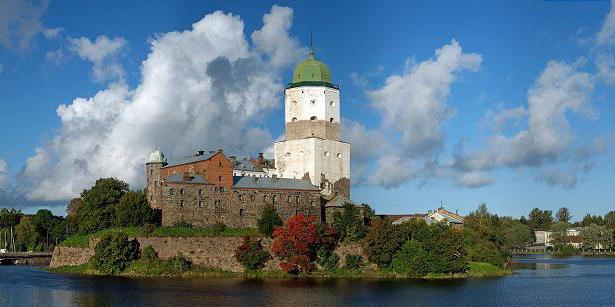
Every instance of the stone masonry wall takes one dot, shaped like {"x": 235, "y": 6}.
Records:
{"x": 211, "y": 252}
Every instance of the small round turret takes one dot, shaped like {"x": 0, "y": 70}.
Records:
{"x": 156, "y": 157}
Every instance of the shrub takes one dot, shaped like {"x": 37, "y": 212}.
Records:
{"x": 114, "y": 252}
{"x": 485, "y": 251}
{"x": 297, "y": 243}
{"x": 268, "y": 221}
{"x": 327, "y": 259}
{"x": 353, "y": 262}
{"x": 133, "y": 210}
{"x": 411, "y": 260}
{"x": 218, "y": 228}
{"x": 149, "y": 253}
{"x": 251, "y": 254}
{"x": 178, "y": 264}
{"x": 149, "y": 228}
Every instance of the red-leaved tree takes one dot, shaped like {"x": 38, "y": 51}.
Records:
{"x": 296, "y": 243}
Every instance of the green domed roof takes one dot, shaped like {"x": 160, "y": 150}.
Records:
{"x": 312, "y": 70}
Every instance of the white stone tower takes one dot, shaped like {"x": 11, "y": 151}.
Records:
{"x": 312, "y": 147}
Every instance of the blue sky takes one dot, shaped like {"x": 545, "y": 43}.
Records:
{"x": 503, "y": 49}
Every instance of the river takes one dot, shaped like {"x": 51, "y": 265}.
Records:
{"x": 538, "y": 281}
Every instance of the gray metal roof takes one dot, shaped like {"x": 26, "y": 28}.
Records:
{"x": 179, "y": 178}
{"x": 339, "y": 201}
{"x": 247, "y": 166}
{"x": 270, "y": 183}
{"x": 195, "y": 158}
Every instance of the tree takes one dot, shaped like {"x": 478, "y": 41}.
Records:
{"x": 296, "y": 244}
{"x": 596, "y": 236}
{"x": 114, "y": 252}
{"x": 382, "y": 242}
{"x": 98, "y": 211}
{"x": 74, "y": 206}
{"x": 540, "y": 220}
{"x": 349, "y": 225}
{"x": 133, "y": 210}
{"x": 44, "y": 221}
{"x": 515, "y": 233}
{"x": 269, "y": 220}
{"x": 609, "y": 219}
{"x": 592, "y": 219}
{"x": 251, "y": 254}
{"x": 563, "y": 215}
{"x": 412, "y": 260}
{"x": 26, "y": 236}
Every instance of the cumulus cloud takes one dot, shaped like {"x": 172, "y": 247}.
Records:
{"x": 274, "y": 40}
{"x": 102, "y": 53}
{"x": 367, "y": 146}
{"x": 414, "y": 104}
{"x": 202, "y": 88}
{"x": 560, "y": 90}
{"x": 473, "y": 180}
{"x": 20, "y": 21}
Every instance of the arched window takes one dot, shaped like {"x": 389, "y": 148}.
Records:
{"x": 313, "y": 101}
{"x": 331, "y": 103}
{"x": 294, "y": 119}
{"x": 327, "y": 154}
{"x": 313, "y": 118}
{"x": 241, "y": 212}
{"x": 339, "y": 155}
{"x": 331, "y": 119}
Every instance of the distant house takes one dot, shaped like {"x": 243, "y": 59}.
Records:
{"x": 440, "y": 215}
{"x": 545, "y": 237}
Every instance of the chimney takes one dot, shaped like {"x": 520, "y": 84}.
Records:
{"x": 220, "y": 150}
{"x": 261, "y": 159}
{"x": 200, "y": 153}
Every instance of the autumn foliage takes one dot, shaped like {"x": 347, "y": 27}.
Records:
{"x": 296, "y": 243}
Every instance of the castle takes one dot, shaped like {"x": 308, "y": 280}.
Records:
{"x": 310, "y": 173}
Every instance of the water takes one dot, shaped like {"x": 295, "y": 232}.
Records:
{"x": 539, "y": 281}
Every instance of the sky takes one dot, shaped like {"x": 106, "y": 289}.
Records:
{"x": 450, "y": 103}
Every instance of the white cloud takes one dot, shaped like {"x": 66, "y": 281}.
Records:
{"x": 52, "y": 33}
{"x": 202, "y": 88}
{"x": 102, "y": 53}
{"x": 606, "y": 36}
{"x": 3, "y": 173}
{"x": 473, "y": 180}
{"x": 20, "y": 22}
{"x": 56, "y": 57}
{"x": 500, "y": 119}
{"x": 274, "y": 40}
{"x": 366, "y": 147}
{"x": 560, "y": 89}
{"x": 414, "y": 103}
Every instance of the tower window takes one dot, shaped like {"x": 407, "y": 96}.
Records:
{"x": 339, "y": 155}
{"x": 219, "y": 178}
{"x": 313, "y": 101}
{"x": 217, "y": 205}
{"x": 200, "y": 192}
{"x": 171, "y": 192}
{"x": 294, "y": 119}
{"x": 297, "y": 199}
{"x": 181, "y": 203}
{"x": 331, "y": 119}
{"x": 181, "y": 192}
{"x": 287, "y": 154}
{"x": 327, "y": 154}
{"x": 331, "y": 103}
{"x": 200, "y": 204}
{"x": 294, "y": 102}
{"x": 290, "y": 199}
{"x": 313, "y": 118}
{"x": 274, "y": 198}
{"x": 241, "y": 212}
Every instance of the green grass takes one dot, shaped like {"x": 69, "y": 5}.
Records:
{"x": 83, "y": 240}
{"x": 203, "y": 232}
{"x": 482, "y": 269}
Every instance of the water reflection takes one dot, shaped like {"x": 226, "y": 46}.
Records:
{"x": 586, "y": 281}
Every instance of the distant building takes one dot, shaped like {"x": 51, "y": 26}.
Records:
{"x": 440, "y": 215}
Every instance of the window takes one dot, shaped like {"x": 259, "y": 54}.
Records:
{"x": 274, "y": 198}
{"x": 252, "y": 197}
{"x": 287, "y": 154}
{"x": 200, "y": 192}
{"x": 331, "y": 103}
{"x": 171, "y": 191}
{"x": 215, "y": 189}
{"x": 313, "y": 118}
{"x": 313, "y": 101}
{"x": 181, "y": 192}
{"x": 294, "y": 119}
{"x": 327, "y": 154}
{"x": 331, "y": 119}
{"x": 219, "y": 178}
{"x": 217, "y": 205}
{"x": 289, "y": 199}
{"x": 297, "y": 199}
{"x": 241, "y": 212}
{"x": 339, "y": 155}
{"x": 220, "y": 164}
{"x": 294, "y": 102}
{"x": 181, "y": 203}
{"x": 200, "y": 204}
{"x": 156, "y": 183}
{"x": 240, "y": 196}
{"x": 221, "y": 189}
{"x": 151, "y": 172}
{"x": 266, "y": 198}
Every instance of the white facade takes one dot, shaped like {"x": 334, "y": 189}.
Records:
{"x": 315, "y": 156}
{"x": 312, "y": 103}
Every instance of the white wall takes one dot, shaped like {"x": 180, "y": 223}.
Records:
{"x": 298, "y": 103}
